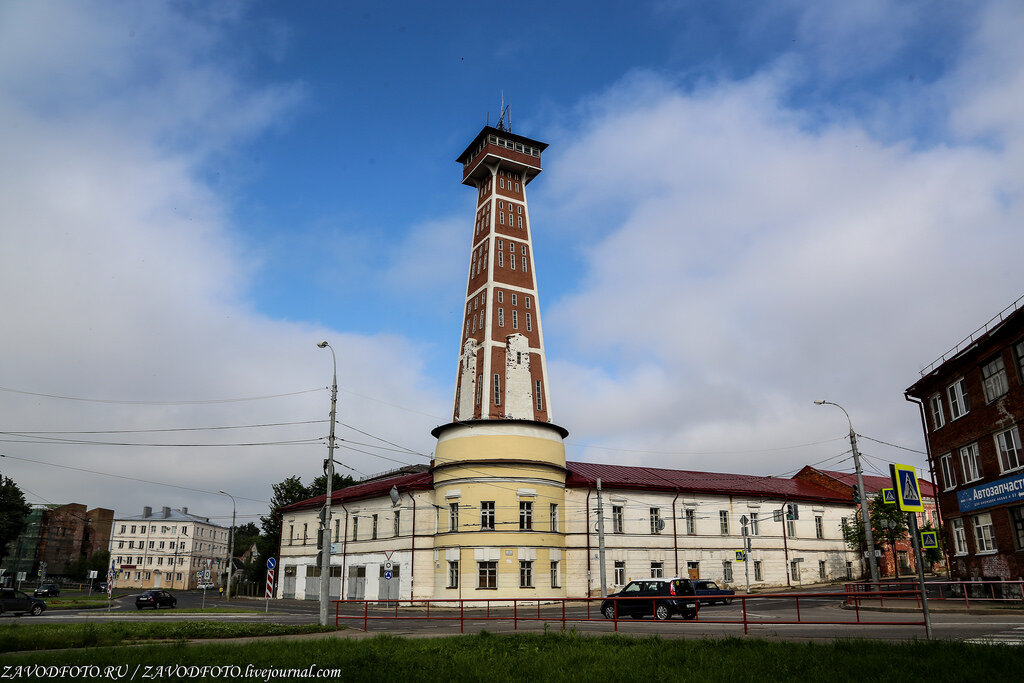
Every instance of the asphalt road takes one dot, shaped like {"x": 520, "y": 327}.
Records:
{"x": 771, "y": 615}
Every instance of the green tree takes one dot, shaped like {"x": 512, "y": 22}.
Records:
{"x": 932, "y": 556}
{"x": 244, "y": 536}
{"x": 888, "y": 526}
{"x": 317, "y": 488}
{"x": 13, "y": 513}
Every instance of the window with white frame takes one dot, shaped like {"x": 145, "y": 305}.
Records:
{"x": 655, "y": 520}
{"x": 1018, "y": 352}
{"x": 616, "y": 519}
{"x": 726, "y": 570}
{"x": 959, "y": 536}
{"x": 657, "y": 570}
{"x": 948, "y": 473}
{"x": 984, "y": 538}
{"x": 526, "y": 302}
{"x": 754, "y": 524}
{"x": 1008, "y": 447}
{"x": 821, "y": 569}
{"x": 525, "y": 515}
{"x": 515, "y": 319}
{"x": 539, "y": 396}
{"x": 501, "y": 317}
{"x": 959, "y": 405}
{"x": 993, "y": 375}
{"x": 487, "y": 574}
{"x": 758, "y": 571}
{"x": 554, "y": 516}
{"x": 691, "y": 522}
{"x": 453, "y": 516}
{"x": 529, "y": 323}
{"x": 526, "y": 573}
{"x": 723, "y": 522}
{"x": 970, "y": 462}
{"x": 555, "y": 582}
{"x": 487, "y": 514}
{"x": 515, "y": 299}
{"x": 935, "y": 408}
{"x": 497, "y": 389}
{"x": 620, "y": 574}
{"x": 819, "y": 527}
{"x": 1017, "y": 526}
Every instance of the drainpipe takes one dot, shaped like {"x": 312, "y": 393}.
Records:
{"x": 675, "y": 538}
{"x": 589, "y": 490}
{"x": 785, "y": 543}
{"x": 412, "y": 562}
{"x": 935, "y": 480}
{"x": 344, "y": 553}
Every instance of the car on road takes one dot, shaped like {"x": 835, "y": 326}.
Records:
{"x": 660, "y": 597}
{"x": 205, "y": 585}
{"x": 50, "y": 590}
{"x": 709, "y": 592}
{"x": 155, "y": 599}
{"x": 17, "y": 602}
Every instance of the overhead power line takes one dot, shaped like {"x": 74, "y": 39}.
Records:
{"x": 160, "y": 403}
{"x": 894, "y": 445}
{"x": 169, "y": 429}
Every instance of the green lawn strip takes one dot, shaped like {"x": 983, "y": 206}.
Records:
{"x": 559, "y": 657}
{"x": 25, "y": 636}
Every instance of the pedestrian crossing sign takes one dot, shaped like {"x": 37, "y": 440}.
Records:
{"x": 929, "y": 539}
{"x": 889, "y": 496}
{"x": 907, "y": 488}
{"x": 741, "y": 556}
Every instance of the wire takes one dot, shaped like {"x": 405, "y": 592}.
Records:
{"x": 390, "y": 443}
{"x": 820, "y": 462}
{"x": 160, "y": 403}
{"x": 743, "y": 452}
{"x": 121, "y": 476}
{"x": 87, "y": 442}
{"x": 886, "y": 443}
{"x": 170, "y": 429}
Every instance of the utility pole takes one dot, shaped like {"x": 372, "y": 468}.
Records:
{"x": 600, "y": 541}
{"x": 746, "y": 550}
{"x": 868, "y": 536}
{"x": 325, "y": 530}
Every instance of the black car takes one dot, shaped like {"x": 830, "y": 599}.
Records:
{"x": 50, "y": 590}
{"x": 660, "y": 597}
{"x": 710, "y": 593}
{"x": 156, "y": 600}
{"x": 16, "y": 602}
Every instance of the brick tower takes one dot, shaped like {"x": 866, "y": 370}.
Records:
{"x": 502, "y": 373}
{"x": 499, "y": 466}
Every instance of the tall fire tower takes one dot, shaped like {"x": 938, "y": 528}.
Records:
{"x": 499, "y": 467}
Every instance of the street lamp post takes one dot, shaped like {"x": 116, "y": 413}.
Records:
{"x": 325, "y": 562}
{"x": 231, "y": 543}
{"x": 868, "y": 537}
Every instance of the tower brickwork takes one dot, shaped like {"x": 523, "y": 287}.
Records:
{"x": 502, "y": 373}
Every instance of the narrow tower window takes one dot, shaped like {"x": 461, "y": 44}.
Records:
{"x": 540, "y": 397}
{"x": 529, "y": 324}
{"x": 515, "y": 319}
{"x": 501, "y": 317}
{"x": 497, "y": 389}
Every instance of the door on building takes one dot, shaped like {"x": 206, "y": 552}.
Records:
{"x": 904, "y": 559}
{"x": 157, "y": 580}
{"x": 334, "y": 589}
{"x": 693, "y": 570}
{"x": 356, "y": 583}
{"x": 288, "y": 586}
{"x": 312, "y": 587}
{"x": 388, "y": 587}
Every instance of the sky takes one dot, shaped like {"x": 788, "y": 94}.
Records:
{"x": 745, "y": 207}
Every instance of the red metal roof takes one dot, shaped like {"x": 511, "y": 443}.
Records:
{"x": 421, "y": 481}
{"x": 584, "y": 474}
{"x": 874, "y": 484}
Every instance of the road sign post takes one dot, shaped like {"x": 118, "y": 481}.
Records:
{"x": 910, "y": 500}
{"x": 271, "y": 563}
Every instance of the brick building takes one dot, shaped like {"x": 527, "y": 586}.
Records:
{"x": 971, "y": 402}
{"x": 59, "y": 535}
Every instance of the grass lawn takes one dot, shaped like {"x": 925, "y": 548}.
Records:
{"x": 557, "y": 657}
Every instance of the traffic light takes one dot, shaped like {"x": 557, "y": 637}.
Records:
{"x": 792, "y": 511}
{"x": 856, "y": 496}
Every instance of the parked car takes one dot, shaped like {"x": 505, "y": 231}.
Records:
{"x": 100, "y": 586}
{"x": 16, "y": 602}
{"x": 206, "y": 585}
{"x": 156, "y": 600}
{"x": 665, "y": 597}
{"x": 50, "y": 590}
{"x": 709, "y": 592}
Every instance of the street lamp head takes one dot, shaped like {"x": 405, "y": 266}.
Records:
{"x": 224, "y": 492}
{"x": 323, "y": 344}
{"x": 820, "y": 402}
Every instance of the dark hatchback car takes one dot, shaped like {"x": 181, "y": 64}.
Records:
{"x": 50, "y": 590}
{"x": 16, "y": 602}
{"x": 156, "y": 600}
{"x": 660, "y": 597}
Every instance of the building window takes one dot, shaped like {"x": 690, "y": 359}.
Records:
{"x": 501, "y": 297}
{"x": 727, "y": 571}
{"x": 794, "y": 570}
{"x": 691, "y": 522}
{"x": 758, "y": 571}
{"x": 984, "y": 539}
{"x": 525, "y": 573}
{"x": 453, "y": 573}
{"x": 512, "y": 261}
{"x": 525, "y": 515}
{"x": 133, "y": 529}
{"x": 529, "y": 323}
{"x": 501, "y": 317}
{"x": 616, "y": 519}
{"x": 1017, "y": 526}
{"x": 821, "y": 569}
{"x": 959, "y": 536}
{"x": 656, "y": 522}
{"x": 487, "y": 575}
{"x": 819, "y": 527}
{"x": 935, "y": 407}
{"x": 993, "y": 376}
{"x": 497, "y": 389}
{"x": 515, "y": 319}
{"x": 970, "y": 462}
{"x": 620, "y": 574}
{"x": 501, "y": 259}
{"x": 723, "y": 521}
{"x": 355, "y": 528}
{"x": 487, "y": 514}
{"x": 948, "y": 473}
{"x": 959, "y": 405}
{"x": 524, "y": 264}
{"x": 1008, "y": 447}
{"x": 554, "y": 516}
{"x": 515, "y": 299}
{"x": 453, "y": 516}
{"x": 123, "y": 528}
{"x": 526, "y": 302}
{"x": 657, "y": 570}
{"x": 373, "y": 534}
{"x": 755, "y": 526}
{"x": 539, "y": 396}
{"x": 555, "y": 583}
{"x": 398, "y": 522}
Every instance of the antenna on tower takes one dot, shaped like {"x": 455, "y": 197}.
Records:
{"x": 504, "y": 121}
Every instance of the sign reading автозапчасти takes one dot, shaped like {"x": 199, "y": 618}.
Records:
{"x": 1000, "y": 491}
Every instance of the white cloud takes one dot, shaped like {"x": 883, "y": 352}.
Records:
{"x": 762, "y": 256}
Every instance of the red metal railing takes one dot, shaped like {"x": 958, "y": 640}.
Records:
{"x": 581, "y": 610}
{"x": 946, "y": 591}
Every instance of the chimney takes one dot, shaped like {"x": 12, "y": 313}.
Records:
{"x": 166, "y": 512}
{"x": 184, "y": 511}
{"x": 147, "y": 512}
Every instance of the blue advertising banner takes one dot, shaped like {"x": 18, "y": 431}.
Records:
{"x": 997, "y": 492}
